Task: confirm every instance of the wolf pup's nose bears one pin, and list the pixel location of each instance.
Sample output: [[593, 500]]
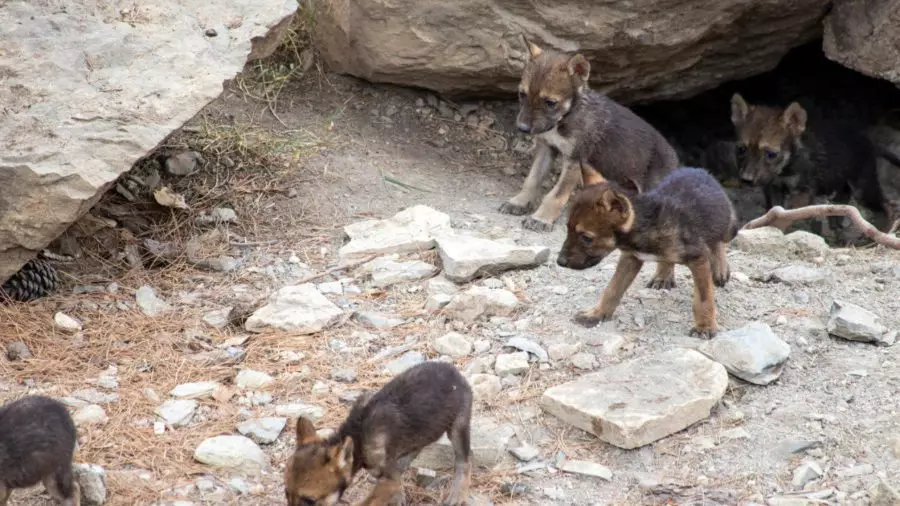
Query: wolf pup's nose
[[524, 128], [561, 260]]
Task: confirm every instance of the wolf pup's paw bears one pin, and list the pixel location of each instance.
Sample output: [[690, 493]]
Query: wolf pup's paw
[[530, 223], [514, 209], [722, 279], [661, 283], [703, 333], [589, 318]]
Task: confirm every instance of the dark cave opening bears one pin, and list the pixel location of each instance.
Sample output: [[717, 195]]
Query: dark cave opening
[[701, 131]]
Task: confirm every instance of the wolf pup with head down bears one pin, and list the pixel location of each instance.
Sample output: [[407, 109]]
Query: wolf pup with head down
[[687, 219], [383, 434], [567, 118], [37, 440], [794, 161]]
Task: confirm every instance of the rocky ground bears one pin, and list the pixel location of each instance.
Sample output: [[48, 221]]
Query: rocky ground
[[186, 379]]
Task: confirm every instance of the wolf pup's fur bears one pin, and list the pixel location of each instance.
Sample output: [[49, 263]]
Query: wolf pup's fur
[[37, 440], [794, 161], [567, 118], [687, 219], [383, 434]]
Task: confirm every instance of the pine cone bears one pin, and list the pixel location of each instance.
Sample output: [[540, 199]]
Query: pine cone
[[36, 279]]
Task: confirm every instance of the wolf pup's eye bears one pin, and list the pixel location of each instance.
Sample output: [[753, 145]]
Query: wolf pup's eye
[[771, 155], [587, 240], [741, 150], [522, 95], [550, 103]]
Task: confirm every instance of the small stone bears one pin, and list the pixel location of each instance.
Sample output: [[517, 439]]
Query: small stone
[[480, 301], [525, 453], [752, 352], [239, 485], [411, 230], [425, 476], [404, 362], [807, 472], [860, 470], [437, 301], [797, 275], [185, 163], [740, 277], [299, 409], [66, 323], [149, 303], [238, 453], [485, 386], [453, 344], [529, 346], [253, 380], [385, 271], [219, 318], [765, 240], [94, 396], [465, 258], [344, 374], [91, 414], [224, 215], [17, 350], [377, 321], [440, 285], [332, 287], [586, 468], [586, 361], [852, 322], [895, 447], [807, 245], [883, 494], [610, 342], [735, 433], [562, 351], [177, 412], [263, 430], [298, 309], [195, 390], [91, 479], [481, 346], [511, 363]]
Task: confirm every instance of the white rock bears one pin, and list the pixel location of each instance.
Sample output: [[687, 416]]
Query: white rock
[[480, 301], [766, 240], [237, 453], [562, 351], [525, 453], [299, 309], [440, 285], [805, 473], [195, 390], [91, 480], [219, 318], [299, 409], [488, 442], [584, 360], [586, 468], [453, 344], [852, 322], [437, 301], [410, 230], [404, 362], [752, 352], [253, 380], [333, 287], [798, 274], [484, 386], [807, 245], [386, 271], [177, 412], [465, 258], [481, 346], [528, 345], [511, 363], [375, 320], [66, 323], [149, 303], [636, 402], [92, 414], [263, 430]]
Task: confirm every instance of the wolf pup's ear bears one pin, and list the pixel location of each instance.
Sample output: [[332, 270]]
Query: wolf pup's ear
[[533, 50], [794, 119], [306, 432], [579, 67], [343, 454], [739, 109], [590, 175]]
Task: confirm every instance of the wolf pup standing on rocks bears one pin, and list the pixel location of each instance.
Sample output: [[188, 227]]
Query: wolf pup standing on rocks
[[384, 433], [688, 219], [557, 106], [37, 440]]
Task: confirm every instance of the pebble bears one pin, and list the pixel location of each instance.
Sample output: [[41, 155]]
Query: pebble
[[263, 430], [344, 374], [238, 453], [17, 350], [66, 323], [149, 303], [377, 321], [404, 362], [525, 453], [562, 351], [195, 390], [586, 361], [253, 380], [485, 386], [586, 468], [529, 346], [511, 363], [854, 323], [91, 479], [481, 346], [453, 344], [177, 412], [805, 473], [92, 414], [299, 409]]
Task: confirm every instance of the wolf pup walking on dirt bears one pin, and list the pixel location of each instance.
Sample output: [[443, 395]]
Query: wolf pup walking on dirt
[[37, 440], [688, 219], [557, 106], [384, 433], [794, 161]]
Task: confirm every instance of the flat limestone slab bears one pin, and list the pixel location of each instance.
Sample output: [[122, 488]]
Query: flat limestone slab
[[411, 230], [643, 400]]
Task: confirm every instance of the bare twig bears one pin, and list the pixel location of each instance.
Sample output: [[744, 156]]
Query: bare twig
[[337, 268], [782, 218]]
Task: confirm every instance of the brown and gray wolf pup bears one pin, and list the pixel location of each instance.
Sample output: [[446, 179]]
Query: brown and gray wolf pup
[[37, 440], [383, 434], [794, 160], [567, 118], [687, 219]]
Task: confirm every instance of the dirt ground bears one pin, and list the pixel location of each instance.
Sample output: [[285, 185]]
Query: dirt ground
[[348, 150]]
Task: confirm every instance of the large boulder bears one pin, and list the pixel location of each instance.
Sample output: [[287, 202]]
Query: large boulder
[[863, 35], [89, 88], [640, 50]]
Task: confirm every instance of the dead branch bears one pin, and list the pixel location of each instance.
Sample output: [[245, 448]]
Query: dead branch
[[336, 268], [782, 218]]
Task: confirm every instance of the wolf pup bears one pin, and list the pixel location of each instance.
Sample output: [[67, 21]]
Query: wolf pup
[[557, 106], [37, 440], [794, 161], [687, 219], [384, 433]]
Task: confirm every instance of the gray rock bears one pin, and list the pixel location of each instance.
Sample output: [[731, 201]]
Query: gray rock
[[481, 346], [635, 403], [609, 342], [344, 374], [253, 380], [805, 473], [528, 345], [410, 230], [333, 287], [525, 453], [753, 352], [586, 468], [386, 272], [480, 301], [511, 363], [87, 142], [453, 344], [298, 309], [177, 412], [586, 361], [195, 390], [263, 430], [375, 320], [184, 163], [404, 362], [92, 414], [218, 318], [852, 322], [766, 240], [807, 245], [488, 442], [437, 301], [484, 386], [17, 350], [797, 275], [66, 323], [149, 303], [299, 409], [464, 258], [94, 396], [91, 479], [236, 453], [562, 351], [440, 285]]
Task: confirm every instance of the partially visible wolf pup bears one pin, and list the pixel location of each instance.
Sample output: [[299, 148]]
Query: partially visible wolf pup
[[794, 161], [687, 219], [557, 106], [37, 440], [383, 434]]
